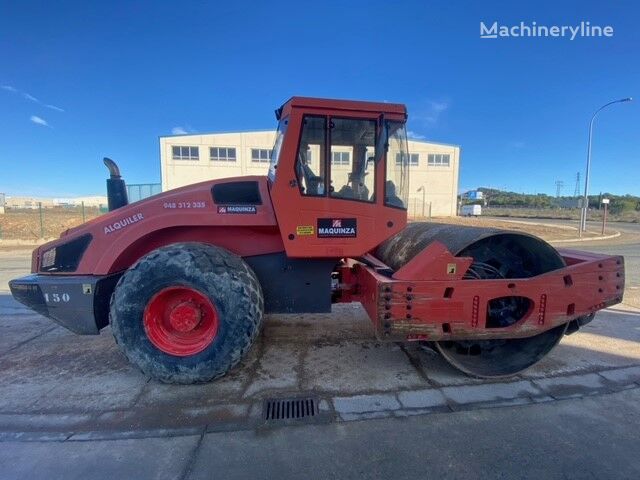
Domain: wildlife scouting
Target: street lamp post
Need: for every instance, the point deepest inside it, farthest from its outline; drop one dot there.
(421, 189)
(585, 198)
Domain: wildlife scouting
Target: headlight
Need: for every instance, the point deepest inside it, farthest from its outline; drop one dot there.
(65, 257)
(48, 258)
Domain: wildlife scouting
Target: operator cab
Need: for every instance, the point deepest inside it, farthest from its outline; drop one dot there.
(339, 175)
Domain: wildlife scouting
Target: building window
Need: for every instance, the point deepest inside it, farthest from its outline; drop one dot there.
(414, 159)
(340, 158)
(222, 154)
(438, 160)
(260, 155)
(185, 153)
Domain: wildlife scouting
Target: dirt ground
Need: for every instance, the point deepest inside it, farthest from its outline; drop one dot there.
(546, 232)
(560, 214)
(27, 224)
(31, 225)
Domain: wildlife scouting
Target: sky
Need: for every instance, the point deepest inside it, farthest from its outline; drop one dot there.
(84, 80)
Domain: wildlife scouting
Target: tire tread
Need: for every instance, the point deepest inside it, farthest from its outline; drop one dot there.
(215, 263)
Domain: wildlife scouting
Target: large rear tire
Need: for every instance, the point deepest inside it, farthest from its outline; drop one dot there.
(187, 312)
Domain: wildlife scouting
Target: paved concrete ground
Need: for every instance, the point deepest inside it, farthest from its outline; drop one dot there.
(56, 383)
(72, 407)
(592, 437)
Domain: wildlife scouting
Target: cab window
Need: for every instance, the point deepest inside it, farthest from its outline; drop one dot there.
(277, 146)
(352, 159)
(396, 186)
(310, 161)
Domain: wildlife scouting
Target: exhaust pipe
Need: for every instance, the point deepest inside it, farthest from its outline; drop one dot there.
(116, 188)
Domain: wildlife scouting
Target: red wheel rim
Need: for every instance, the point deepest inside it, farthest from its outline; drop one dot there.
(180, 321)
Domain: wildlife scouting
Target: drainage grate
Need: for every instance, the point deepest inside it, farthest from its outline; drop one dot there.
(303, 408)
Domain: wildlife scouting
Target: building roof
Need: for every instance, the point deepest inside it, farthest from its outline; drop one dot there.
(431, 142)
(251, 132)
(198, 134)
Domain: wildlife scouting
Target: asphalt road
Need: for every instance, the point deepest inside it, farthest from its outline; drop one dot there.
(630, 251)
(13, 263)
(628, 245)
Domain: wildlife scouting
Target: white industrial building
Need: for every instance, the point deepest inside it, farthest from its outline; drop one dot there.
(186, 159)
(33, 203)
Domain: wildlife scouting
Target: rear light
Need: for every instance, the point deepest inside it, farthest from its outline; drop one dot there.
(65, 257)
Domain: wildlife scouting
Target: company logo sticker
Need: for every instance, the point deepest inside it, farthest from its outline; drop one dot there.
(125, 222)
(337, 228)
(237, 209)
(304, 230)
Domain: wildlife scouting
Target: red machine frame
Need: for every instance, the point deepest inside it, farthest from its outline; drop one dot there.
(428, 299)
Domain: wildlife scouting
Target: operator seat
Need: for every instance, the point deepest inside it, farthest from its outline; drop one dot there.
(391, 197)
(313, 184)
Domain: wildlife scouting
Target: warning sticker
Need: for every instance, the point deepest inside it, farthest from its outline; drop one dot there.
(304, 230)
(451, 268)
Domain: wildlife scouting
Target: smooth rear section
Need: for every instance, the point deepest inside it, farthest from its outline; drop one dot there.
(443, 282)
(491, 302)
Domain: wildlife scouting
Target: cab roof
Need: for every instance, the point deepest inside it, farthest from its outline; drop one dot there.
(344, 105)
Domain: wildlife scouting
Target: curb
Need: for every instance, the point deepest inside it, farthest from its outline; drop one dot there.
(524, 222)
(143, 423)
(562, 227)
(591, 239)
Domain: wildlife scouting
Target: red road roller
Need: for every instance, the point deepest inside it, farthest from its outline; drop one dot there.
(184, 277)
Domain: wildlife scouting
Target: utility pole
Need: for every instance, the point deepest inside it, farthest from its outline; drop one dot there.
(559, 187)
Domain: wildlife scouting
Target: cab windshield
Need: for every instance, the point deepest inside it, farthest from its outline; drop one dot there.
(396, 187)
(277, 146)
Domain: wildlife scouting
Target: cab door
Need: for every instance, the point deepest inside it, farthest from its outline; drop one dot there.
(329, 190)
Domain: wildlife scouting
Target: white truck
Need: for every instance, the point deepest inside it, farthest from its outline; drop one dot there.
(471, 210)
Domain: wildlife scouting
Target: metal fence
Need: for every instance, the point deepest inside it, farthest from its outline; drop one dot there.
(44, 221)
(138, 191)
(40, 221)
(417, 209)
